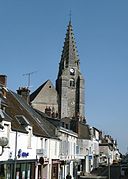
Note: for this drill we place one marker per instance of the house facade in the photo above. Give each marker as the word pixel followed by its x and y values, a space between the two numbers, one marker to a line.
pixel 109 152
pixel 36 147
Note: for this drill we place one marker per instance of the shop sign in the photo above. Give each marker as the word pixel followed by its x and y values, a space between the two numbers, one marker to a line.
pixel 55 161
pixel 22 154
pixel 90 157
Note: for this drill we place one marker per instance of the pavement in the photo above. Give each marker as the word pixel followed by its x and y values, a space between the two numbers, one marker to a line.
pixel 92 176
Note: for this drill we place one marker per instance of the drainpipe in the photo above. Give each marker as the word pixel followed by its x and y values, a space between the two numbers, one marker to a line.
pixel 109 167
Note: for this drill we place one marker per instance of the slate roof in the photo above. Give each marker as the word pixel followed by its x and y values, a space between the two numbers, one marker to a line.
pixel 76 126
pixel 42 124
pixel 51 123
pixel 84 131
pixel 55 123
pixel 18 106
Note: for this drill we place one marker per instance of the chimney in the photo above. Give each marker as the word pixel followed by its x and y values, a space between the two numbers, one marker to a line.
pixel 3 84
pixel 24 92
pixel 3 80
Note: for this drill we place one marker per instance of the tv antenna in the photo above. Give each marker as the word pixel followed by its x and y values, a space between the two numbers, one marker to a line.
pixel 29 77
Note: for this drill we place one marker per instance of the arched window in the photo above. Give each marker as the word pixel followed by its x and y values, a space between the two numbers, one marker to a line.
pixel 72 82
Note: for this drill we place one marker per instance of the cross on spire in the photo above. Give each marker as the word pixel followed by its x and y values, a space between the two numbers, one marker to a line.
pixel 70 15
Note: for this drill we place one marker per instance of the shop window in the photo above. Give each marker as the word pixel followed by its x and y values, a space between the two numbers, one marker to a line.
pixel 2 171
pixel 28 171
pixel 29 137
pixel 7 131
pixel 23 167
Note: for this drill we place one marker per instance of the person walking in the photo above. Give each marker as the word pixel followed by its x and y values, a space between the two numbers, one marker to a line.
pixel 68 176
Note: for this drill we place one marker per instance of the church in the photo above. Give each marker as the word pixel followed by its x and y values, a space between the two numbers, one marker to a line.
pixel 65 100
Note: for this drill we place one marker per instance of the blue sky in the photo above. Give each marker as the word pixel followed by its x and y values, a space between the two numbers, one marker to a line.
pixel 32 34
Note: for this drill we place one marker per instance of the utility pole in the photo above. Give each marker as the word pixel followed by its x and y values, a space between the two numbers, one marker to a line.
pixel 29 77
pixel 15 157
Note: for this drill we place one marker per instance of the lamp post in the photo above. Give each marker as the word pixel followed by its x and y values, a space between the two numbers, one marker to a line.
pixel 87 161
pixel 15 157
pixel 109 170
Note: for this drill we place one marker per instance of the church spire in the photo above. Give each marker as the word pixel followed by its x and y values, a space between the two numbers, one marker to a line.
pixel 70 82
pixel 70 16
pixel 69 57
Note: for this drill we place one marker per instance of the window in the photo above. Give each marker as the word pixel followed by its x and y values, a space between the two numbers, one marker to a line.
pixel 72 82
pixel 29 137
pixel 41 142
pixel 45 144
pixel 55 148
pixel 62 124
pixel 77 149
pixel 22 120
pixel 74 148
pixel 67 126
pixel 7 131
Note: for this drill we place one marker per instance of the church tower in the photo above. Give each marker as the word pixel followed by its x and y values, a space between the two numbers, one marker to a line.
pixel 70 83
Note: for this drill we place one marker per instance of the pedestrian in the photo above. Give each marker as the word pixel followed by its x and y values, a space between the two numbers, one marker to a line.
pixel 68 176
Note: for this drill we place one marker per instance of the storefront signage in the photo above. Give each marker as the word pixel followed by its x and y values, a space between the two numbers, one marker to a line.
pixel 90 157
pixel 22 154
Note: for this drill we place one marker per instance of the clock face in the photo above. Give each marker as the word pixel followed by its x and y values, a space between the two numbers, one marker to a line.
pixel 72 71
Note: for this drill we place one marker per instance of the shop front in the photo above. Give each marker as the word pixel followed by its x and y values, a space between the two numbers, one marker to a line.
pixel 24 169
pixel 42 168
pixel 55 169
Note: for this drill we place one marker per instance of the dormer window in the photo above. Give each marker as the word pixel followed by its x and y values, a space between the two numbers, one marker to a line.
pixel 22 120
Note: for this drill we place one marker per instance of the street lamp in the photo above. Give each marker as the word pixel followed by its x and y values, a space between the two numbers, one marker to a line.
pixel 87 161
pixel 109 171
pixel 3 143
pixel 15 157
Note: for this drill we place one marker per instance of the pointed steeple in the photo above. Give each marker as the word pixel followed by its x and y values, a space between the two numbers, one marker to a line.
pixel 70 83
pixel 69 57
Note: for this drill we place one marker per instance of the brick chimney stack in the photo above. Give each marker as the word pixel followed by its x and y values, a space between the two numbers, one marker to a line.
pixel 3 84
pixel 24 92
pixel 3 80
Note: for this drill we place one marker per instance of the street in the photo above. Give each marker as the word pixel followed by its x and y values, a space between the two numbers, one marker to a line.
pixel 114 172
